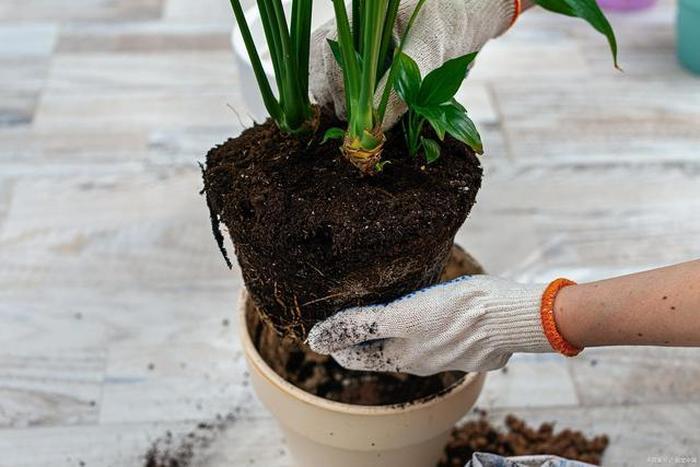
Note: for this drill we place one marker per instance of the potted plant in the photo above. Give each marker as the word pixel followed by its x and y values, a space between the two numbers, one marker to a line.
pixel 326 214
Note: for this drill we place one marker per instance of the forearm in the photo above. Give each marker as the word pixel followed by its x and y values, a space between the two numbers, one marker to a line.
pixel 658 307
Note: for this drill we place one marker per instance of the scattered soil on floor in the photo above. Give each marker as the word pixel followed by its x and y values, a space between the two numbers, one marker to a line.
pixel 181 451
pixel 314 236
pixel 322 376
pixel 519 439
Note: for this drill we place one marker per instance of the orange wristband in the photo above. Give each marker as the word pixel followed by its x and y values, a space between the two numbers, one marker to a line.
pixel 549 324
pixel 516 13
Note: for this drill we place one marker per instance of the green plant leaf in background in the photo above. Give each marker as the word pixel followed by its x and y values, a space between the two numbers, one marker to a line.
pixel 441 84
pixel 589 11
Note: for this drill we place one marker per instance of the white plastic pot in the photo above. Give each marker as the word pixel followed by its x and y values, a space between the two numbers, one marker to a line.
pixel 323 433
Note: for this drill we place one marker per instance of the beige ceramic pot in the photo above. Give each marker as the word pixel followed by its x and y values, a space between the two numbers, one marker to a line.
pixel 323 433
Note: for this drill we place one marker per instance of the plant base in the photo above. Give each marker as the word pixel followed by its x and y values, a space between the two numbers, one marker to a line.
pixel 314 236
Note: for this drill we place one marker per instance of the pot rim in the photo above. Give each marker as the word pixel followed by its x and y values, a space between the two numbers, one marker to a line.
pixel 351 409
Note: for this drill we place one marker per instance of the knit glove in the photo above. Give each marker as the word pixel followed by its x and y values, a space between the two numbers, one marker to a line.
pixel 444 29
pixel 474 323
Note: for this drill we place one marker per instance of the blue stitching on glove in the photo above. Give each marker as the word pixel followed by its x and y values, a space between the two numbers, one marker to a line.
pixel 428 289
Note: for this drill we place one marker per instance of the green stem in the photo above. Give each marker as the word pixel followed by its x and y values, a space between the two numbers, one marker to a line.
pixel 387 34
pixel 271 104
pixel 371 43
pixel 351 68
pixel 290 97
pixel 267 18
pixel 357 9
pixel 301 37
pixel 394 66
pixel 413 130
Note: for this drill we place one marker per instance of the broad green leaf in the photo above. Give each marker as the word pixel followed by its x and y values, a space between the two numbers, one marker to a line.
pixel 333 133
pixel 443 83
pixel 408 79
pixel 587 10
pixel 455 103
pixel 460 126
pixel 435 116
pixel 432 150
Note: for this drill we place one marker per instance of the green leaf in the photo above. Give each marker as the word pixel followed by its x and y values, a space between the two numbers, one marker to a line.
pixel 435 116
pixel 443 83
pixel 587 10
pixel 271 103
pixel 333 133
pixel 408 80
pixel 335 49
pixel 432 150
pixel 461 127
pixel 338 55
pixel 387 37
pixel 381 110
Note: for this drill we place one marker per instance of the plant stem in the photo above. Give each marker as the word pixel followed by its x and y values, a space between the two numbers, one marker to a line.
pixel 357 10
pixel 271 103
pixel 363 119
pixel 351 68
pixel 301 35
pixel 381 111
pixel 387 34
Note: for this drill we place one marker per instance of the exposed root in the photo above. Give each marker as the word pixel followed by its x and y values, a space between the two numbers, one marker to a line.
pixel 215 222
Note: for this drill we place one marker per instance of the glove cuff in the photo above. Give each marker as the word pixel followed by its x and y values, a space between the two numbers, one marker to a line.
pixel 549 324
pixel 512 321
pixel 522 320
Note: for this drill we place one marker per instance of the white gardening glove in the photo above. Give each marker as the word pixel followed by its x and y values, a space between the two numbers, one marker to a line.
pixel 474 323
pixel 444 29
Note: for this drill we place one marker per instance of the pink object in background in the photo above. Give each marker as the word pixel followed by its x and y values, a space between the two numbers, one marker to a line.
pixel 626 5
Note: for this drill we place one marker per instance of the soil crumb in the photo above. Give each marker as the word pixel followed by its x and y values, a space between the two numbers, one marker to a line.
pixel 181 450
pixel 519 439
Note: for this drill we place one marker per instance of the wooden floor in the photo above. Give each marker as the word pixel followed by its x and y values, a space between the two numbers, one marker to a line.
pixel 116 310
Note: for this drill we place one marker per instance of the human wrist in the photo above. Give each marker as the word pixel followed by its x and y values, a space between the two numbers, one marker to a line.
pixel 566 316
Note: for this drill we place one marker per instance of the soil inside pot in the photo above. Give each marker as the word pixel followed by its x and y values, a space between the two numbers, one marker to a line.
pixel 322 376
pixel 314 236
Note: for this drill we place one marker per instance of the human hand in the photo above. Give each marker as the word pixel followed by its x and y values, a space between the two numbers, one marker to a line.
pixel 443 30
pixel 474 323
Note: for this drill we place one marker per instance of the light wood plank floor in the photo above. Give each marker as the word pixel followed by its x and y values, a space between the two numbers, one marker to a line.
pixel 116 310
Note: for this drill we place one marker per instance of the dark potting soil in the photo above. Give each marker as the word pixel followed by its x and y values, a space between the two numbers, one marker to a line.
pixel 519 439
pixel 322 376
pixel 313 236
